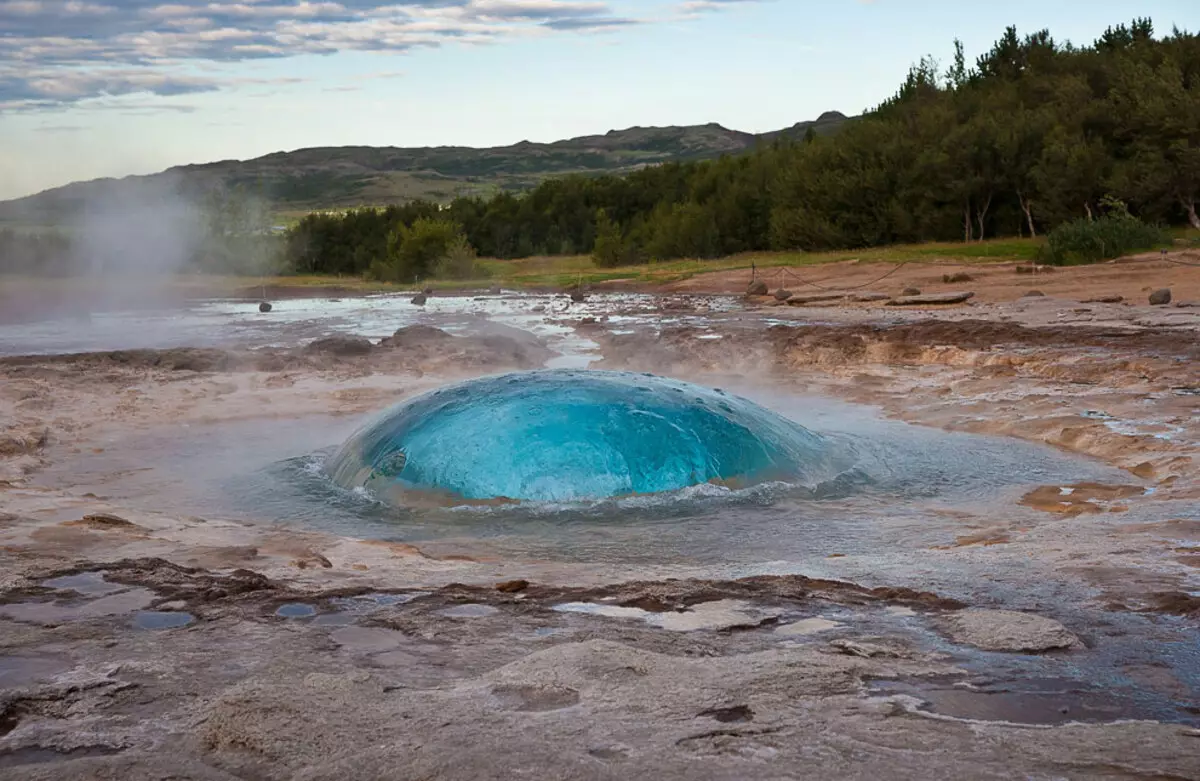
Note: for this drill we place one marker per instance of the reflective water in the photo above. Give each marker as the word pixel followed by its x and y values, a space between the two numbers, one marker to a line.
pixel 296 610
pixel 223 323
pixel 910 491
pixel 161 619
pixel 569 435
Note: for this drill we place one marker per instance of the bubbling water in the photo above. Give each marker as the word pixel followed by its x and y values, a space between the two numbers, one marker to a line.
pixel 564 435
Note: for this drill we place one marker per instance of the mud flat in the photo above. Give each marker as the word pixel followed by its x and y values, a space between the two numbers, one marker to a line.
pixel 141 642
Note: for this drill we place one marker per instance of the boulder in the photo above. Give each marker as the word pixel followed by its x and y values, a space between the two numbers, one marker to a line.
pixel 931 299
pixel 782 294
pixel 341 345
pixel 1007 630
pixel 911 291
pixel 415 335
pixel 757 288
pixel 419 299
pixel 803 299
pixel 1161 297
pixel 264 307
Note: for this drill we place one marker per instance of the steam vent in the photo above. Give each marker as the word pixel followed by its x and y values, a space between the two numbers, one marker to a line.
pixel 562 435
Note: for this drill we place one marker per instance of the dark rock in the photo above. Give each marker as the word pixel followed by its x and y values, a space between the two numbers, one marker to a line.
pixel 931 299
pixel 1033 294
pixel 1104 300
pixel 494 290
pixel 264 307
pixel 1161 297
pixel 911 291
pixel 952 279
pixel 341 345
pixel 578 296
pixel 428 291
pixel 419 299
pixel 757 288
pixel 417 335
pixel 737 713
pixel 512 586
pixel 782 294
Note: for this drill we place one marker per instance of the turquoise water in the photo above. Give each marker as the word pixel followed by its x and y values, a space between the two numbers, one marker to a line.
pixel 564 435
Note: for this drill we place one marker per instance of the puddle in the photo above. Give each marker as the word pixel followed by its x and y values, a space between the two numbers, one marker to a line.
pixel 87 583
pixel 296 610
pixel 367 639
pixel 53 613
pixel 468 611
pixel 350 609
pixel 1044 701
pixel 159 619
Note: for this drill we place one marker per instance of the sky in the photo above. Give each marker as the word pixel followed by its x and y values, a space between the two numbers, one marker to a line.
pixel 93 88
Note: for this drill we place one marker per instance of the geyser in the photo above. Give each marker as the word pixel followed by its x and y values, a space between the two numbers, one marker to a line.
pixel 563 435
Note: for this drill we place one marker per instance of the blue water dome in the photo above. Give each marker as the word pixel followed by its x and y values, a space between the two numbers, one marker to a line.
pixel 568 435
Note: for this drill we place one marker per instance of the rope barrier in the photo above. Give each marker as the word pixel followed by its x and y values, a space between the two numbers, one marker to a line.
pixel 781 271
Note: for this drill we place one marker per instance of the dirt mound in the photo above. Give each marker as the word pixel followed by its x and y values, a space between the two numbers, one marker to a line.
pixel 423 348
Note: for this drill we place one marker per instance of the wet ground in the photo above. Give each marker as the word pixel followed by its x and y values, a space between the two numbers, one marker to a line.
pixel 999 585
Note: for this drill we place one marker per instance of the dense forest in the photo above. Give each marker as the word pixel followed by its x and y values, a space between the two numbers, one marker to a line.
pixel 1036 133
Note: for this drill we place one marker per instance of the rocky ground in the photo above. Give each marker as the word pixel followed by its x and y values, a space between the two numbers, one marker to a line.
pixel 150 645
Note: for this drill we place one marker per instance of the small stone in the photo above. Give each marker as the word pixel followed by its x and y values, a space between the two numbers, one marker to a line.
pixel 264 307
pixel 782 295
pixel 912 291
pixel 953 279
pixel 757 288
pixel 1103 300
pixel 512 586
pixel 1161 297
pixel 1033 294
pixel 428 291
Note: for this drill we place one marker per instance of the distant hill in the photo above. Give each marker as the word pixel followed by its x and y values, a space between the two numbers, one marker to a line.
pixel 336 177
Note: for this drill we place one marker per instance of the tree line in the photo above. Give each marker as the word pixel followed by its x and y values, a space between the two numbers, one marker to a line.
pixel 1035 134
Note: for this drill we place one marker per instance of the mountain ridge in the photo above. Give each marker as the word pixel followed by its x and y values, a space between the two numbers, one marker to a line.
pixel 314 178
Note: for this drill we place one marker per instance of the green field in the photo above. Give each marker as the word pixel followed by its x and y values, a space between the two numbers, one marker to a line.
pixel 558 272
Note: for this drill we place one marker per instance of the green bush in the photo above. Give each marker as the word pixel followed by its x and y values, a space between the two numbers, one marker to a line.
pixel 612 248
pixel 459 262
pixel 684 230
pixel 1092 241
pixel 414 251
